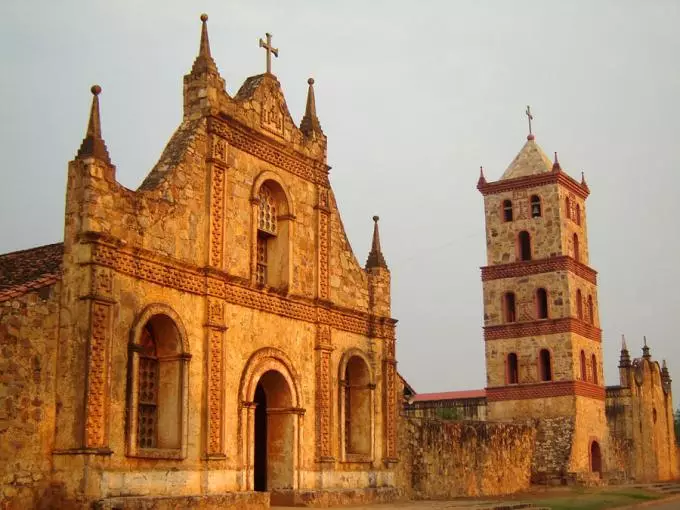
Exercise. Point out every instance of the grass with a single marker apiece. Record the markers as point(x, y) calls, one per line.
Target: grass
point(600, 500)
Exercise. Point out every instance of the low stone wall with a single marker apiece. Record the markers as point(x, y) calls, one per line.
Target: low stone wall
point(227, 501)
point(554, 437)
point(446, 459)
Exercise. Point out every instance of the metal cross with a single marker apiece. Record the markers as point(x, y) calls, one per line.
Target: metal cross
point(530, 117)
point(269, 49)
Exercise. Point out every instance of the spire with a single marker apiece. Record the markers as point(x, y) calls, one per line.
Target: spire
point(665, 375)
point(556, 164)
point(645, 349)
point(482, 180)
point(93, 145)
point(204, 60)
point(584, 184)
point(375, 257)
point(310, 122)
point(624, 359)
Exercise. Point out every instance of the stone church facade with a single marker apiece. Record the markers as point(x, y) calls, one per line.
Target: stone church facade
point(210, 333)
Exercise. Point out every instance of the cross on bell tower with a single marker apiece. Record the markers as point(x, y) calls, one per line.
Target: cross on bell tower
point(269, 49)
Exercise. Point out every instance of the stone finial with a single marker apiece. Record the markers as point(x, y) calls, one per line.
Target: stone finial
point(530, 117)
point(93, 145)
point(310, 122)
point(556, 164)
point(665, 374)
point(482, 180)
point(375, 257)
point(645, 349)
point(204, 60)
point(624, 359)
point(584, 184)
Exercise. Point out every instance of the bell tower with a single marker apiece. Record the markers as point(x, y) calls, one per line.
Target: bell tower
point(541, 326)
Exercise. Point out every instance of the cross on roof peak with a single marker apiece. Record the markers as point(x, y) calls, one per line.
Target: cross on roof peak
point(269, 49)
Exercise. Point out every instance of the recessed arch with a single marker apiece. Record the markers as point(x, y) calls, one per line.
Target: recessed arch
point(356, 401)
point(268, 175)
point(159, 309)
point(261, 361)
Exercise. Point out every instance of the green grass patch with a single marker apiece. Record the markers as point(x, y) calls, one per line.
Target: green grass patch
point(596, 500)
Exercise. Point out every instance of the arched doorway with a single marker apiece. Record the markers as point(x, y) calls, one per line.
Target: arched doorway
point(270, 422)
point(274, 433)
point(595, 458)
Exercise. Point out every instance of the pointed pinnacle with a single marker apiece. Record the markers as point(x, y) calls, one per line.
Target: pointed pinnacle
point(310, 122)
point(482, 180)
point(645, 348)
point(204, 60)
point(93, 145)
point(624, 347)
point(556, 164)
point(375, 257)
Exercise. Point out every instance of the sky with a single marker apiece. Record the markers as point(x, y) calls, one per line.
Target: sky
point(414, 97)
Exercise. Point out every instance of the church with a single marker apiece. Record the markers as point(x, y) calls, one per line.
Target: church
point(210, 339)
point(210, 333)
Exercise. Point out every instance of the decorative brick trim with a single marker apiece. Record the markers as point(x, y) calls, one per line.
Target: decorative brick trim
point(531, 181)
point(271, 151)
point(151, 267)
point(543, 327)
point(545, 390)
point(531, 267)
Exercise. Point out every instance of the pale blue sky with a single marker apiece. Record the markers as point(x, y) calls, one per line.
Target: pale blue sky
point(414, 97)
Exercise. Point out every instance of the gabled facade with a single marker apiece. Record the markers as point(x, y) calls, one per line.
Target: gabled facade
point(541, 325)
point(212, 333)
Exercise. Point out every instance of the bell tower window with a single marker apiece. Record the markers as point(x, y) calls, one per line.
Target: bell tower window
point(542, 303)
point(507, 210)
point(579, 304)
point(593, 362)
point(544, 365)
point(577, 255)
point(509, 307)
point(513, 369)
point(536, 206)
point(591, 315)
point(524, 240)
point(584, 375)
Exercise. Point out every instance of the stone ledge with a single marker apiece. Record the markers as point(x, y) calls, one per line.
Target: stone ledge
point(225, 501)
point(324, 498)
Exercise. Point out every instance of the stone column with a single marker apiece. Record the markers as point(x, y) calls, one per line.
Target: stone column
point(323, 394)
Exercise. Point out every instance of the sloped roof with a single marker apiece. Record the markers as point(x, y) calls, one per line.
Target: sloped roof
point(531, 160)
point(449, 395)
point(26, 270)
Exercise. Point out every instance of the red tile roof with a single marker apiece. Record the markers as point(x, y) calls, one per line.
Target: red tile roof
point(449, 395)
point(26, 270)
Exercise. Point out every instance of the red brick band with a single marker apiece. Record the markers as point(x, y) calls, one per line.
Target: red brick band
point(545, 390)
point(531, 181)
point(543, 327)
point(530, 267)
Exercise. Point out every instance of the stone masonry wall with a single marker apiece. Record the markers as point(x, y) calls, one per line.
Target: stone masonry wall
point(440, 459)
point(28, 332)
point(553, 449)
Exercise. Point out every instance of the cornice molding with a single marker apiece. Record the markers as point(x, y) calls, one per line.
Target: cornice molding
point(531, 267)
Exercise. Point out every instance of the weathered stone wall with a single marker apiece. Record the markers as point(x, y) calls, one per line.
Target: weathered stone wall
point(28, 343)
point(443, 459)
point(554, 440)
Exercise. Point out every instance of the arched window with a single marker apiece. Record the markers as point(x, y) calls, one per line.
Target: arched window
point(584, 374)
point(535, 206)
point(513, 369)
point(524, 240)
point(507, 210)
point(509, 309)
point(542, 303)
point(577, 251)
point(158, 390)
point(593, 363)
point(578, 214)
point(591, 314)
point(356, 407)
point(567, 207)
point(272, 243)
point(579, 304)
point(544, 365)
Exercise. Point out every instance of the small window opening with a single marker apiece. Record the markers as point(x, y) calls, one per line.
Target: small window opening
point(524, 245)
point(591, 314)
point(593, 362)
point(513, 369)
point(567, 206)
point(509, 306)
point(542, 303)
point(507, 210)
point(535, 206)
point(579, 304)
point(577, 255)
point(578, 214)
point(584, 375)
point(544, 365)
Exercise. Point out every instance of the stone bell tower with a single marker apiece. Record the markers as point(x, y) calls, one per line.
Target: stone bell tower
point(541, 325)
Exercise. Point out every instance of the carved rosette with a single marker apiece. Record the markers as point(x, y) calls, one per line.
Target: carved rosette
point(323, 395)
point(323, 236)
point(217, 175)
point(97, 375)
point(215, 338)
